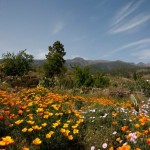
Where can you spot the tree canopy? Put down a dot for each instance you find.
(54, 64)
(16, 65)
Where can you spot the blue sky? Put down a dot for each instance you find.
(91, 29)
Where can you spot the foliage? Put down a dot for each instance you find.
(16, 65)
(54, 64)
(82, 76)
(39, 119)
(144, 85)
(101, 81)
(65, 82)
(46, 82)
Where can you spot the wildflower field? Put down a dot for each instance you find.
(38, 119)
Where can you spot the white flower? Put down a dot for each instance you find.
(92, 110)
(114, 132)
(132, 137)
(120, 141)
(125, 144)
(104, 145)
(92, 147)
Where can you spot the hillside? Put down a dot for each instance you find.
(102, 65)
(99, 65)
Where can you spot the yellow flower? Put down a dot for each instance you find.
(138, 133)
(75, 126)
(66, 133)
(51, 132)
(30, 122)
(50, 114)
(137, 125)
(2, 143)
(37, 141)
(55, 106)
(36, 127)
(58, 121)
(114, 114)
(118, 139)
(30, 104)
(25, 148)
(75, 131)
(57, 114)
(68, 121)
(65, 125)
(48, 136)
(39, 110)
(69, 111)
(44, 124)
(24, 130)
(30, 130)
(18, 122)
(7, 140)
(60, 114)
(62, 130)
(70, 137)
(55, 125)
(45, 116)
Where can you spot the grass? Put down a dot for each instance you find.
(37, 118)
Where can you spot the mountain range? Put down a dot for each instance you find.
(101, 65)
(82, 62)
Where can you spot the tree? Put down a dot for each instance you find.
(82, 76)
(16, 65)
(54, 64)
(101, 81)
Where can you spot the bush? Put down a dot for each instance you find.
(16, 65)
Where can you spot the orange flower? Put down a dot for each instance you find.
(124, 147)
(137, 149)
(1, 117)
(124, 128)
(70, 137)
(111, 148)
(25, 148)
(20, 112)
(146, 132)
(114, 122)
(148, 141)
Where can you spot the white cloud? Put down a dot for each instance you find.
(124, 19)
(123, 13)
(57, 28)
(135, 22)
(41, 54)
(143, 54)
(134, 46)
(143, 43)
(126, 11)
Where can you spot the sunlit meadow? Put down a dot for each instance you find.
(36, 118)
